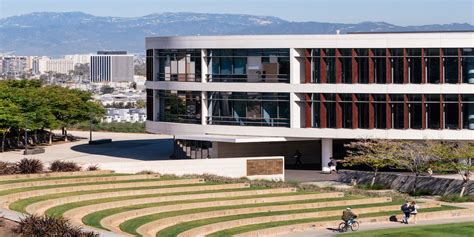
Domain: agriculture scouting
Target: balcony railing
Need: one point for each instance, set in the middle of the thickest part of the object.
(258, 78)
(246, 121)
(179, 118)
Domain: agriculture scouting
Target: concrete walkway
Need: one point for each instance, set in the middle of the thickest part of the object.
(124, 148)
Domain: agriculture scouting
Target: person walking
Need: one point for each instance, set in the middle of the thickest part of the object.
(297, 157)
(414, 211)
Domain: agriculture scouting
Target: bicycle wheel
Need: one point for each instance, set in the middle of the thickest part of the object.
(355, 226)
(342, 227)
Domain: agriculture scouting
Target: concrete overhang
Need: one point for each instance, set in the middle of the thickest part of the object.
(238, 139)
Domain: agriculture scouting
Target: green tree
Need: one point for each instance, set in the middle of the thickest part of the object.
(455, 156)
(375, 154)
(10, 116)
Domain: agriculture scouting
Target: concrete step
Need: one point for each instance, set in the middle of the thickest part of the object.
(51, 174)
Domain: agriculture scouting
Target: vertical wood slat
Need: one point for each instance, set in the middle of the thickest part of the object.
(355, 67)
(308, 119)
(338, 111)
(388, 67)
(441, 112)
(371, 112)
(338, 67)
(441, 64)
(423, 67)
(406, 122)
(323, 111)
(388, 112)
(323, 66)
(371, 67)
(459, 67)
(355, 112)
(307, 62)
(459, 111)
(405, 67)
(423, 111)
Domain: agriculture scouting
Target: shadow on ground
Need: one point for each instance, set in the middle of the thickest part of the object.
(140, 150)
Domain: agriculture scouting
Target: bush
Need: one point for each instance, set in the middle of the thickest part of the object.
(29, 166)
(374, 187)
(8, 168)
(48, 226)
(64, 166)
(456, 198)
(421, 192)
(93, 167)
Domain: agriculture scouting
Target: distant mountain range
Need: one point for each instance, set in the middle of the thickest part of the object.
(57, 34)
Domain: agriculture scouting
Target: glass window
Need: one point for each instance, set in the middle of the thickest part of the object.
(363, 110)
(179, 106)
(451, 111)
(433, 111)
(415, 110)
(398, 111)
(380, 110)
(179, 65)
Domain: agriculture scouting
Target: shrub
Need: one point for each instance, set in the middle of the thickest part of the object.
(64, 166)
(374, 187)
(8, 168)
(456, 198)
(48, 226)
(93, 167)
(421, 192)
(29, 166)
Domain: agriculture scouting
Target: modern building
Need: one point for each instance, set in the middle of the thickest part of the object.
(79, 58)
(14, 66)
(111, 66)
(63, 66)
(275, 94)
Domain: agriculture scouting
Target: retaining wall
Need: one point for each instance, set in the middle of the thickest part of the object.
(405, 182)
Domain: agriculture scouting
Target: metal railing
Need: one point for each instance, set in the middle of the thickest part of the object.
(258, 78)
(248, 121)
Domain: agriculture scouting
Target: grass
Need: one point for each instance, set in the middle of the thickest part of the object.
(94, 219)
(445, 230)
(249, 228)
(456, 198)
(132, 224)
(184, 226)
(19, 190)
(57, 178)
(21, 204)
(61, 209)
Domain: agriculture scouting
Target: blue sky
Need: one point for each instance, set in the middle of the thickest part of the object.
(401, 12)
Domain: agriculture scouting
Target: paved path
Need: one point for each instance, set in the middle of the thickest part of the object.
(125, 147)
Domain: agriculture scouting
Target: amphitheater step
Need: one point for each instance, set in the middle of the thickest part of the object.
(53, 174)
(156, 226)
(41, 207)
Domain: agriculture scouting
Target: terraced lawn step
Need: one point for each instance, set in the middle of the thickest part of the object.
(77, 214)
(156, 226)
(211, 228)
(84, 179)
(39, 191)
(53, 174)
(41, 207)
(286, 229)
(113, 222)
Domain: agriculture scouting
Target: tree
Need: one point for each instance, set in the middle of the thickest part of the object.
(376, 154)
(455, 156)
(140, 104)
(10, 116)
(415, 157)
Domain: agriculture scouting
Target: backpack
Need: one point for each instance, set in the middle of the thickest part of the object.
(404, 208)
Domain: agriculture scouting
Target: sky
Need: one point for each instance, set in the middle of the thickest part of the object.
(399, 12)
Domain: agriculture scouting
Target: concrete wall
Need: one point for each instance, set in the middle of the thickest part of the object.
(310, 150)
(404, 182)
(229, 167)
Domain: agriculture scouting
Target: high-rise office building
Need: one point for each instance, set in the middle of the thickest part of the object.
(275, 94)
(111, 66)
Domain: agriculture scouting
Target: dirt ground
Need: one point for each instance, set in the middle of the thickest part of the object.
(6, 228)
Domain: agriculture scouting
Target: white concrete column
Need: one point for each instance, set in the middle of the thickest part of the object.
(204, 108)
(295, 67)
(326, 152)
(204, 65)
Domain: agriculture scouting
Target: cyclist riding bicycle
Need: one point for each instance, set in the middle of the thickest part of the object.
(348, 216)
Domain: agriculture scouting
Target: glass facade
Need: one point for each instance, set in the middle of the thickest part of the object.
(394, 65)
(179, 65)
(248, 65)
(179, 106)
(397, 111)
(249, 109)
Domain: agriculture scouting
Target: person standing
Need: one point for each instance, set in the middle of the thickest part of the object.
(332, 165)
(414, 211)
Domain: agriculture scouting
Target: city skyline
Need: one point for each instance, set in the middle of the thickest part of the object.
(434, 12)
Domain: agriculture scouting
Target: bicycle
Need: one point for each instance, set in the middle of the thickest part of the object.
(353, 224)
